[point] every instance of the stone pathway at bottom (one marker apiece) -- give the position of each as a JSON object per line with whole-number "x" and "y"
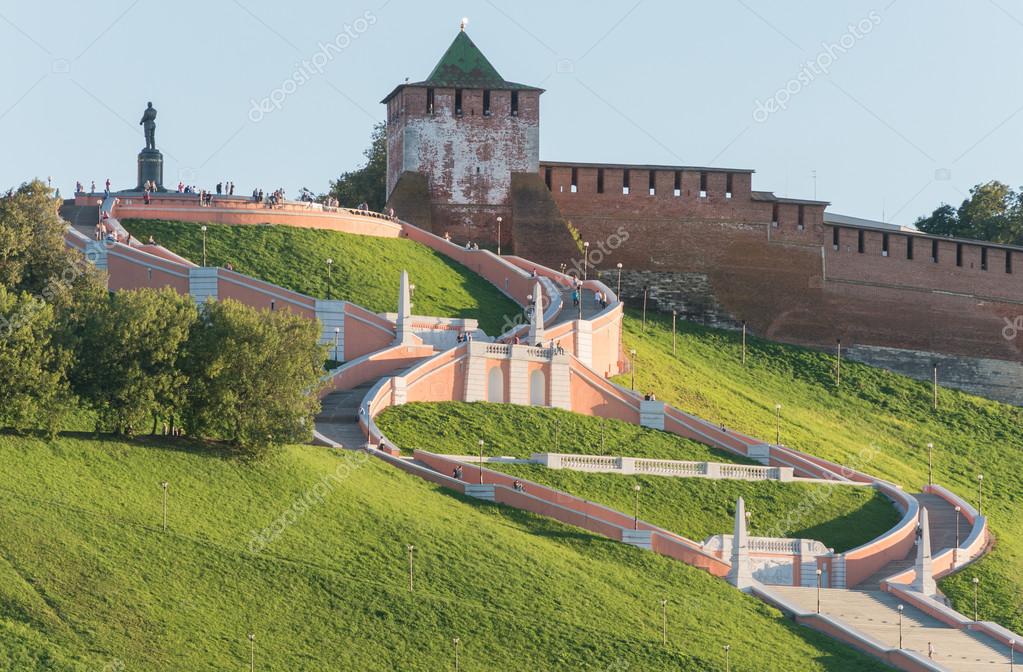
{"x": 875, "y": 614}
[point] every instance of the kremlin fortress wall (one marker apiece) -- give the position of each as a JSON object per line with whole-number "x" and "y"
{"x": 463, "y": 151}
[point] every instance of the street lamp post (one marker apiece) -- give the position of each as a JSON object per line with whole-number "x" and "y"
{"x": 777, "y": 433}
{"x": 976, "y": 590}
{"x": 955, "y": 551}
{"x": 980, "y": 493}
{"x": 203, "y": 228}
{"x": 252, "y": 652}
{"x": 664, "y": 622}
{"x": 727, "y": 648}
{"x": 838, "y": 369}
{"x": 645, "y": 290}
{"x": 411, "y": 550}
{"x": 165, "y": 485}
{"x": 337, "y": 344}
{"x": 330, "y": 262}
{"x": 635, "y": 518}
{"x": 674, "y": 316}
{"x": 632, "y": 355}
{"x": 586, "y": 260}
{"x": 481, "y": 461}
{"x": 619, "y": 281}
{"x": 1012, "y": 655}
{"x": 744, "y": 342}
{"x": 901, "y": 609}
{"x": 499, "y": 220}
{"x": 930, "y": 463}
{"x": 819, "y": 572}
{"x": 455, "y": 642}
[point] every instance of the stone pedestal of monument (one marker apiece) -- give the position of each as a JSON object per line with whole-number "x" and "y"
{"x": 150, "y": 168}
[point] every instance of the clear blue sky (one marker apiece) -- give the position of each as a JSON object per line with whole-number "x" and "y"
{"x": 910, "y": 113}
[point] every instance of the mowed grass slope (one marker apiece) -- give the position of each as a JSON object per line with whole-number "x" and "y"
{"x": 840, "y": 516}
{"x": 877, "y": 421}
{"x": 366, "y": 270}
{"x": 87, "y": 572}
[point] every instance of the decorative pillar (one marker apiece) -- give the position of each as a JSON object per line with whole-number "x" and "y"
{"x": 536, "y": 330}
{"x": 202, "y": 284}
{"x": 740, "y": 574}
{"x": 924, "y": 581}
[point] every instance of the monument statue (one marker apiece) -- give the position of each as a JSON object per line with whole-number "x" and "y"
{"x": 148, "y": 125}
{"x": 150, "y": 158}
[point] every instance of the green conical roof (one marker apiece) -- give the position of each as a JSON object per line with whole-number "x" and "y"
{"x": 463, "y": 66}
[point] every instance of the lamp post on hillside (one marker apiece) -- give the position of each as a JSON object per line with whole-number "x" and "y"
{"x": 165, "y": 485}
{"x": 252, "y": 652}
{"x": 455, "y": 642}
{"x": 777, "y": 433}
{"x": 744, "y": 342}
{"x": 674, "y": 317}
{"x": 980, "y": 493}
{"x": 619, "y": 281}
{"x": 976, "y": 590}
{"x": 838, "y": 367}
{"x": 955, "y": 551}
{"x": 901, "y": 609}
{"x": 819, "y": 572}
{"x": 481, "y": 461}
{"x": 645, "y": 290}
{"x": 632, "y": 357}
{"x": 203, "y": 229}
{"x": 330, "y": 262}
{"x": 411, "y": 550}
{"x": 337, "y": 344}
{"x": 586, "y": 260}
{"x": 930, "y": 463}
{"x": 499, "y": 219}
{"x": 664, "y": 622}
{"x": 1012, "y": 655}
{"x": 727, "y": 648}
{"x": 635, "y": 519}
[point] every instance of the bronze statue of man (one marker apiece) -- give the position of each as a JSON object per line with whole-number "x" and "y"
{"x": 148, "y": 125}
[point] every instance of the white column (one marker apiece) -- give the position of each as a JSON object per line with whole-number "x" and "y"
{"x": 536, "y": 329}
{"x": 400, "y": 395}
{"x": 96, "y": 253}
{"x": 924, "y": 581}
{"x": 476, "y": 373}
{"x": 202, "y": 284}
{"x": 651, "y": 414}
{"x": 584, "y": 342}
{"x": 331, "y": 315}
{"x": 741, "y": 573}
{"x": 560, "y": 391}
{"x": 518, "y": 376}
{"x": 404, "y": 331}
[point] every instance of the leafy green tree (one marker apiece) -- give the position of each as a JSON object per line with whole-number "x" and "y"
{"x": 253, "y": 376}
{"x": 35, "y": 392}
{"x": 368, "y": 183}
{"x": 128, "y": 352}
{"x": 33, "y": 256}
{"x": 993, "y": 212}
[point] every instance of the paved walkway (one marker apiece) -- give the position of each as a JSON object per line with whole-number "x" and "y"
{"x": 875, "y": 614}
{"x": 570, "y": 312}
{"x": 942, "y": 524}
{"x": 339, "y": 416}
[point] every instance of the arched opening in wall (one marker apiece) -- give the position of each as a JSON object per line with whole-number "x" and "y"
{"x": 537, "y": 389}
{"x": 495, "y": 386}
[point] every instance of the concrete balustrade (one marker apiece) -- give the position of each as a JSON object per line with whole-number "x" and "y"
{"x": 659, "y": 467}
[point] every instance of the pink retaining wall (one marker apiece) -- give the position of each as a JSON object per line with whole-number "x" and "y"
{"x": 262, "y": 295}
{"x": 894, "y": 545}
{"x": 376, "y": 365}
{"x": 365, "y": 332}
{"x": 246, "y": 212}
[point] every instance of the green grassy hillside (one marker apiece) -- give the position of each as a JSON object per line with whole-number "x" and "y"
{"x": 366, "y": 270}
{"x": 878, "y": 421}
{"x": 88, "y": 574}
{"x": 841, "y": 517}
